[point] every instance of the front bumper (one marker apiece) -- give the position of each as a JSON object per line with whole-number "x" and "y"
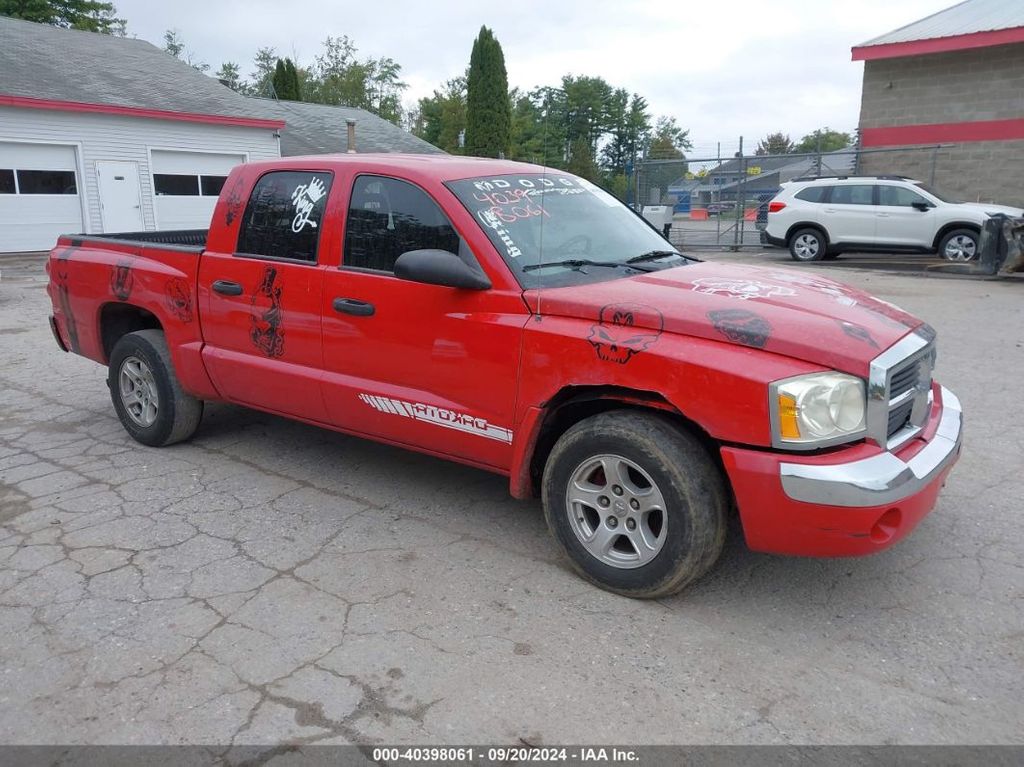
{"x": 847, "y": 502}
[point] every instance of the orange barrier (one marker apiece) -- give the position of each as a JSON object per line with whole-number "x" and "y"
{"x": 750, "y": 214}
{"x": 698, "y": 214}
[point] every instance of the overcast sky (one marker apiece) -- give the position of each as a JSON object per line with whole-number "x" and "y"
{"x": 723, "y": 69}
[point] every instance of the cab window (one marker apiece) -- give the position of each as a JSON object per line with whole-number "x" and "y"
{"x": 852, "y": 194}
{"x": 284, "y": 215}
{"x": 387, "y": 218}
{"x": 899, "y": 196}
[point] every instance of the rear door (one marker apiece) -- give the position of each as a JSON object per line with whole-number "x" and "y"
{"x": 260, "y": 303}
{"x": 899, "y": 222}
{"x": 850, "y": 214}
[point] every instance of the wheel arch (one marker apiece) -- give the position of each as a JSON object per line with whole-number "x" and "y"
{"x": 573, "y": 404}
{"x": 807, "y": 225}
{"x": 118, "y": 319}
{"x": 947, "y": 228}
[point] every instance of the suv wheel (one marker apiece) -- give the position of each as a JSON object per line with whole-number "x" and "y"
{"x": 807, "y": 245}
{"x": 959, "y": 245}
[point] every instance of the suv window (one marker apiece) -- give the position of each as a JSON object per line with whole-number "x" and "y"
{"x": 898, "y": 195}
{"x": 284, "y": 215}
{"x": 852, "y": 194}
{"x": 388, "y": 217}
{"x": 812, "y": 194}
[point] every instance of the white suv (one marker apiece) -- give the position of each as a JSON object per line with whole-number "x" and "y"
{"x": 821, "y": 217}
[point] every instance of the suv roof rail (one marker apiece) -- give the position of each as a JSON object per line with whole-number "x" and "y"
{"x": 852, "y": 175}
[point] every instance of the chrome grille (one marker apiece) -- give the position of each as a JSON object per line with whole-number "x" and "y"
{"x": 899, "y": 390}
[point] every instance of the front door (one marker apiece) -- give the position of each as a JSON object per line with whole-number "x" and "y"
{"x": 422, "y": 365}
{"x": 261, "y": 302}
{"x": 120, "y": 200}
{"x": 899, "y": 222}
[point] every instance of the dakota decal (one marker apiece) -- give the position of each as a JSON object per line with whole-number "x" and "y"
{"x": 439, "y": 416}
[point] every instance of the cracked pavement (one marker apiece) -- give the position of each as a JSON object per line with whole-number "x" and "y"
{"x": 272, "y": 582}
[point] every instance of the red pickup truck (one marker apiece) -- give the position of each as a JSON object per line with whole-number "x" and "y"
{"x": 519, "y": 319}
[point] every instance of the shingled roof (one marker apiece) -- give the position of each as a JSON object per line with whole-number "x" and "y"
{"x": 47, "y": 67}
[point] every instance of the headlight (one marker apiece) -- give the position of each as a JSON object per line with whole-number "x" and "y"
{"x": 817, "y": 410}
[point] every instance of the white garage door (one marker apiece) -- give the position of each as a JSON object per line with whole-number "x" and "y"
{"x": 39, "y": 195}
{"x": 186, "y": 186}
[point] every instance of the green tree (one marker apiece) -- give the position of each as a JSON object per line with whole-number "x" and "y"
{"x": 175, "y": 46}
{"x": 667, "y": 143}
{"x": 442, "y": 116}
{"x": 823, "y": 140}
{"x": 581, "y": 160}
{"x": 230, "y": 74}
{"x": 774, "y": 143}
{"x": 286, "y": 81}
{"x": 260, "y": 80}
{"x": 90, "y": 15}
{"x": 488, "y": 111}
{"x": 337, "y": 77}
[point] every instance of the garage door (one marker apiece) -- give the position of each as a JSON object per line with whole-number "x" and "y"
{"x": 186, "y": 186}
{"x": 39, "y": 195}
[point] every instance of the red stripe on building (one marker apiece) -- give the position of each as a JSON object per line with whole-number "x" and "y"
{"x": 938, "y": 133}
{"x": 939, "y": 44}
{"x": 152, "y": 114}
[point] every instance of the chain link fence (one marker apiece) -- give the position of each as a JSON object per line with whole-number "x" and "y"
{"x": 722, "y": 202}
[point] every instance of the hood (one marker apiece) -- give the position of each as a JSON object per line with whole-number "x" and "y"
{"x": 779, "y": 310}
{"x": 983, "y": 207}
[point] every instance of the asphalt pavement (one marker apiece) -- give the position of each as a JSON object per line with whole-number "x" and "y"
{"x": 270, "y": 582}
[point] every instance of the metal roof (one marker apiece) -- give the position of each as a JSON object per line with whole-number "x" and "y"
{"x": 964, "y": 18}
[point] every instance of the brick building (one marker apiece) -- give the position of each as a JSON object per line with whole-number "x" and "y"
{"x": 955, "y": 78}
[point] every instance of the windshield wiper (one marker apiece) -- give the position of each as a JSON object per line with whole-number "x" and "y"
{"x": 653, "y": 255}
{"x": 576, "y": 263}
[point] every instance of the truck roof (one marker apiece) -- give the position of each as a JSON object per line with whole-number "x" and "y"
{"x": 434, "y": 167}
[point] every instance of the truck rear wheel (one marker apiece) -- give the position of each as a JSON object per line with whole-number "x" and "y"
{"x": 637, "y": 505}
{"x": 145, "y": 391}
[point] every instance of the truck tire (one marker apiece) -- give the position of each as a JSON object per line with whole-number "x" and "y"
{"x": 636, "y": 503}
{"x": 960, "y": 245}
{"x": 145, "y": 391}
{"x": 808, "y": 244}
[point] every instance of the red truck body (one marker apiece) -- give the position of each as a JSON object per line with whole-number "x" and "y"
{"x": 491, "y": 377}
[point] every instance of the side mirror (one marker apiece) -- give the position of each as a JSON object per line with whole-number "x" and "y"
{"x": 921, "y": 206}
{"x": 440, "y": 267}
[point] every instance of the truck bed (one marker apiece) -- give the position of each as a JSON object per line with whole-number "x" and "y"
{"x": 175, "y": 239}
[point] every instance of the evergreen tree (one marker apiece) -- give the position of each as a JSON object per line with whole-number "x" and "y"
{"x": 90, "y": 15}
{"x": 488, "y": 112}
{"x": 774, "y": 143}
{"x": 279, "y": 81}
{"x": 229, "y": 75}
{"x": 294, "y": 85}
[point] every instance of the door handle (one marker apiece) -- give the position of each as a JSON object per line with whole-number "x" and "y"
{"x": 227, "y": 288}
{"x": 352, "y": 306}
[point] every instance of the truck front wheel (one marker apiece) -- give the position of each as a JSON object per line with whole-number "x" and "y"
{"x": 145, "y": 391}
{"x": 636, "y": 503}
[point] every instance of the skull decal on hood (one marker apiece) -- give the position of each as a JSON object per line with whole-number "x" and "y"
{"x": 624, "y": 330}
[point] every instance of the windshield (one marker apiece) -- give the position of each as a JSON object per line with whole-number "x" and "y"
{"x": 558, "y": 229}
{"x": 936, "y": 194}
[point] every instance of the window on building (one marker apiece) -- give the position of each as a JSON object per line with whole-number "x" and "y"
{"x": 898, "y": 195}
{"x": 176, "y": 184}
{"x": 285, "y": 214}
{"x": 47, "y": 182}
{"x": 210, "y": 186}
{"x": 812, "y": 194}
{"x": 852, "y": 194}
{"x": 387, "y": 218}
{"x": 7, "y": 181}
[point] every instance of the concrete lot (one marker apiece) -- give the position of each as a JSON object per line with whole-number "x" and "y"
{"x": 270, "y": 581}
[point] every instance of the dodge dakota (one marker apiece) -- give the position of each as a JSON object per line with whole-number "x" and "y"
{"x": 521, "y": 320}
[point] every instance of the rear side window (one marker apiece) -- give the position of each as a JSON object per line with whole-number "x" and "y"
{"x": 898, "y": 195}
{"x": 388, "y": 217}
{"x": 852, "y": 194}
{"x": 285, "y": 214}
{"x": 812, "y": 194}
